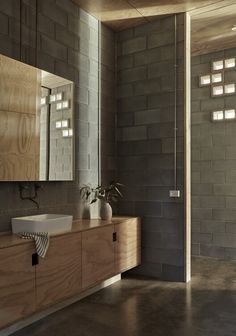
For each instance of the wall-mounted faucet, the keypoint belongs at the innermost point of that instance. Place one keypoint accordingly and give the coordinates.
(29, 191)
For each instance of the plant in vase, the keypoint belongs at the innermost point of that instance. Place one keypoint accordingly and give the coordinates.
(106, 194)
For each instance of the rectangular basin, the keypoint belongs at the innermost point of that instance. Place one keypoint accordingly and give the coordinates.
(50, 223)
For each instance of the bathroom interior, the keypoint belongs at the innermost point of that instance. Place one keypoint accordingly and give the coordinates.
(140, 93)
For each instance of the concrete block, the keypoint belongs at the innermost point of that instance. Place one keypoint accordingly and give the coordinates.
(224, 214)
(148, 208)
(195, 249)
(172, 273)
(201, 69)
(147, 87)
(159, 40)
(67, 38)
(200, 213)
(54, 12)
(125, 119)
(78, 27)
(196, 226)
(133, 45)
(132, 104)
(147, 117)
(148, 57)
(201, 93)
(124, 35)
(212, 226)
(224, 239)
(157, 70)
(78, 60)
(132, 75)
(3, 24)
(230, 227)
(212, 251)
(134, 133)
(125, 62)
(46, 26)
(202, 189)
(230, 253)
(172, 210)
(10, 8)
(149, 269)
(132, 163)
(89, 49)
(160, 100)
(161, 130)
(125, 90)
(168, 145)
(201, 238)
(53, 48)
(224, 189)
(68, 6)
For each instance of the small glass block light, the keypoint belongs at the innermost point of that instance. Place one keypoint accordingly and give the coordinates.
(59, 106)
(230, 63)
(70, 132)
(218, 65)
(65, 133)
(58, 124)
(205, 80)
(65, 123)
(230, 114)
(217, 78)
(52, 98)
(229, 88)
(217, 90)
(43, 101)
(218, 115)
(59, 96)
(65, 104)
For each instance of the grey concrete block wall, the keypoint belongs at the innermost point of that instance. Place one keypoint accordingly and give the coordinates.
(213, 166)
(72, 44)
(145, 119)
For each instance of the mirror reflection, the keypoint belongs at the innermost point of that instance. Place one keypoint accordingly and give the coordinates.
(36, 124)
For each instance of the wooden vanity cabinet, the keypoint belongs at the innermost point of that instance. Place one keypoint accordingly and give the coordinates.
(128, 245)
(74, 262)
(98, 250)
(58, 276)
(17, 283)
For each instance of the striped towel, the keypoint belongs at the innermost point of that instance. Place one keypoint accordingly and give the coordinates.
(41, 240)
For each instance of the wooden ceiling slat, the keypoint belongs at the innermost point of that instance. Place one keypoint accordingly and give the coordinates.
(212, 20)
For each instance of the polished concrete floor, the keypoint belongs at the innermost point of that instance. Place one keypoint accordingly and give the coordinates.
(140, 307)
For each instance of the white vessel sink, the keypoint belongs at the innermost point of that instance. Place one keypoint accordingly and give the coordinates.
(42, 223)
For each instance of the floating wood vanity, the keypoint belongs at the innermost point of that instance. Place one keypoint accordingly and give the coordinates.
(92, 252)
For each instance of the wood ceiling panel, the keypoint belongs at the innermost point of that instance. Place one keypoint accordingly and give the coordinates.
(111, 11)
(212, 20)
(212, 30)
(163, 7)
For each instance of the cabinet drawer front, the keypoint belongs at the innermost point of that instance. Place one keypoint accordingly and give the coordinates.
(59, 274)
(128, 245)
(97, 255)
(17, 283)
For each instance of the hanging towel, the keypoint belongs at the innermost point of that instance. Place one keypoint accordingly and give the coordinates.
(41, 240)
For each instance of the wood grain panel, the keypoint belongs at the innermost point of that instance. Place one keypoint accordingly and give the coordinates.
(163, 7)
(17, 283)
(19, 147)
(128, 245)
(59, 274)
(19, 86)
(212, 29)
(97, 255)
